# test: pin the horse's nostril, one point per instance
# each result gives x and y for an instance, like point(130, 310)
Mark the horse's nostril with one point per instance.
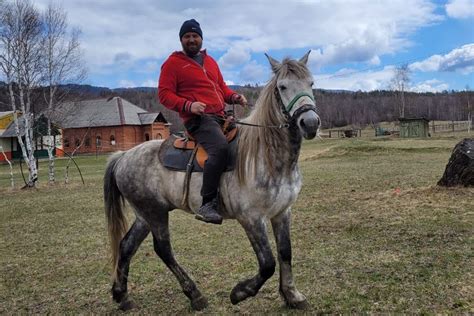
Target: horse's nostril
point(303, 125)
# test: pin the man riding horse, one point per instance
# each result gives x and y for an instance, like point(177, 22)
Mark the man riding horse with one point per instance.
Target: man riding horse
point(191, 84)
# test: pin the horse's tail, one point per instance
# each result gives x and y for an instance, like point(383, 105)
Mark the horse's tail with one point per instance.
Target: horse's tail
point(114, 202)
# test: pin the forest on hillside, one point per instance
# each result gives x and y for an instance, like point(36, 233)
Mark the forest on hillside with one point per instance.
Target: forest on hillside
point(336, 108)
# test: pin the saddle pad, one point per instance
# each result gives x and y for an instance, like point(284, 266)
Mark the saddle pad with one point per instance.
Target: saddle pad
point(177, 159)
point(189, 143)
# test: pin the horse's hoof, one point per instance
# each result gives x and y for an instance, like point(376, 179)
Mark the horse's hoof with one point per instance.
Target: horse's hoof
point(299, 305)
point(238, 294)
point(199, 303)
point(127, 305)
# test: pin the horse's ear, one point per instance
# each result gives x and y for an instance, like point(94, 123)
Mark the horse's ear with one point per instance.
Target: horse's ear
point(274, 63)
point(304, 59)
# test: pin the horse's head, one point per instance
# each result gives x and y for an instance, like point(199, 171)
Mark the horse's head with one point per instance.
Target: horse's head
point(293, 90)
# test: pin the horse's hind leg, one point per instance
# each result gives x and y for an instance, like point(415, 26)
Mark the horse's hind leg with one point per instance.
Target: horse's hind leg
point(128, 247)
point(281, 230)
point(162, 245)
point(257, 235)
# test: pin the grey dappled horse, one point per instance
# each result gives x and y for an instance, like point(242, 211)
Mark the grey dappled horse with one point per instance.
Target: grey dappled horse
point(263, 186)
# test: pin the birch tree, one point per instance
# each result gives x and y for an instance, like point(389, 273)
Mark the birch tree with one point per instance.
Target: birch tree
point(399, 83)
point(20, 37)
point(62, 65)
point(12, 181)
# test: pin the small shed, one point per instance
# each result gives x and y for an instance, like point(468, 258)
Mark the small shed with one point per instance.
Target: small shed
point(414, 127)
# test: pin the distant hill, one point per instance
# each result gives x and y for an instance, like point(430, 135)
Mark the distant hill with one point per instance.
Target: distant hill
point(335, 107)
point(92, 90)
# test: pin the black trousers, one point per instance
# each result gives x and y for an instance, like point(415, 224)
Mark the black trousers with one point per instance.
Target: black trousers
point(206, 130)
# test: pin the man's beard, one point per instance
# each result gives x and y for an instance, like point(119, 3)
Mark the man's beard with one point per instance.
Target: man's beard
point(193, 50)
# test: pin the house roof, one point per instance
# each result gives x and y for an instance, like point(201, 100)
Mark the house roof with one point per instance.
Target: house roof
point(39, 128)
point(103, 112)
point(149, 118)
point(10, 131)
point(2, 114)
point(410, 119)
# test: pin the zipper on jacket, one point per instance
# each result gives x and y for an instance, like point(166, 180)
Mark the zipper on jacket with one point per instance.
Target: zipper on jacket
point(205, 73)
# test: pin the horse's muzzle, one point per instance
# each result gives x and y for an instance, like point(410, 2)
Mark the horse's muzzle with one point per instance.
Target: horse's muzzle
point(309, 123)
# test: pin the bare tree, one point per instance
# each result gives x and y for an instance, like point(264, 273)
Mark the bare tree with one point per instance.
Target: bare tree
point(467, 100)
point(20, 56)
point(399, 83)
point(62, 65)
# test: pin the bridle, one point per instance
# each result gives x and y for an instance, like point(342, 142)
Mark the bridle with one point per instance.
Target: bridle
point(286, 110)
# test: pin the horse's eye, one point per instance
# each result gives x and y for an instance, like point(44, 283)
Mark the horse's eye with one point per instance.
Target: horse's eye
point(282, 87)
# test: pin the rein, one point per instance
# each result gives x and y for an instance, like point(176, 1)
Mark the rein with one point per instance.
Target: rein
point(286, 125)
point(286, 111)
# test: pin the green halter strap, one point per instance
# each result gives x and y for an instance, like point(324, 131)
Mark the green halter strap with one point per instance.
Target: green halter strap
point(296, 98)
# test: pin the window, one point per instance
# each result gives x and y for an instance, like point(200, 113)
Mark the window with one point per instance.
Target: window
point(77, 142)
point(112, 140)
point(159, 136)
point(66, 142)
point(98, 141)
point(88, 142)
point(147, 137)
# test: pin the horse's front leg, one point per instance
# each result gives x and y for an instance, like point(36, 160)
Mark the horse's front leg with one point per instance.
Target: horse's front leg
point(257, 235)
point(281, 229)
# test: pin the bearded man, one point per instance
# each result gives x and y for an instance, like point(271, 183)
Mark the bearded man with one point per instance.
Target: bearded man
point(191, 84)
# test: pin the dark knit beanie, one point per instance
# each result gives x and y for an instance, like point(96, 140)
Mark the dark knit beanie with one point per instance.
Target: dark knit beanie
point(190, 26)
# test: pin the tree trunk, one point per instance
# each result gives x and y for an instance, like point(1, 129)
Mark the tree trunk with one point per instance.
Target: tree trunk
point(12, 181)
point(460, 168)
point(51, 146)
point(17, 127)
point(30, 150)
point(51, 139)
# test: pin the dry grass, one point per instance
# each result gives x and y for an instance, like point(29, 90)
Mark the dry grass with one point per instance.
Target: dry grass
point(371, 233)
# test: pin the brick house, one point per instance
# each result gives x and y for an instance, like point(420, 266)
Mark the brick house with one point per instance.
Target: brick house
point(107, 125)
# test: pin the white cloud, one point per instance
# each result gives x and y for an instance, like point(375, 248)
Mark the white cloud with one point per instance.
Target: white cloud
point(235, 56)
point(432, 85)
point(364, 49)
point(460, 9)
point(354, 80)
point(254, 73)
point(459, 60)
point(346, 31)
point(350, 79)
point(151, 67)
point(118, 38)
point(126, 84)
point(150, 83)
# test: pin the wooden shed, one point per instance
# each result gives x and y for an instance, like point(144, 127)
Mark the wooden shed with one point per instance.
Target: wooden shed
point(414, 127)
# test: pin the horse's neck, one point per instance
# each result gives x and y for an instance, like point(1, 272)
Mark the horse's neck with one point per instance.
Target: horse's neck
point(295, 140)
point(283, 156)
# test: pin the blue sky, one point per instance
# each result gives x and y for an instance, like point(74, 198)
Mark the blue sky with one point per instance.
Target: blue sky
point(356, 44)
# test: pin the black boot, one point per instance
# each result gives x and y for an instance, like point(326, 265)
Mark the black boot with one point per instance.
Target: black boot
point(208, 213)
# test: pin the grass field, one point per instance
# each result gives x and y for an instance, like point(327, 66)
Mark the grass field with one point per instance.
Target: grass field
point(371, 233)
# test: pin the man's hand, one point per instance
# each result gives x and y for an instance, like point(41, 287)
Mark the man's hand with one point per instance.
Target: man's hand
point(198, 108)
point(240, 99)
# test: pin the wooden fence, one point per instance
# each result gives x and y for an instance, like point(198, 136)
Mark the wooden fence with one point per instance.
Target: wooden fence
point(453, 126)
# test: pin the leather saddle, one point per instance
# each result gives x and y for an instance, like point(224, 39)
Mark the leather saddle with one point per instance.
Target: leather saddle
point(181, 153)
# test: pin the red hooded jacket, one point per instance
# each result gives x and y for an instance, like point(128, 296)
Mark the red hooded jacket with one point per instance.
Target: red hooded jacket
point(183, 81)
